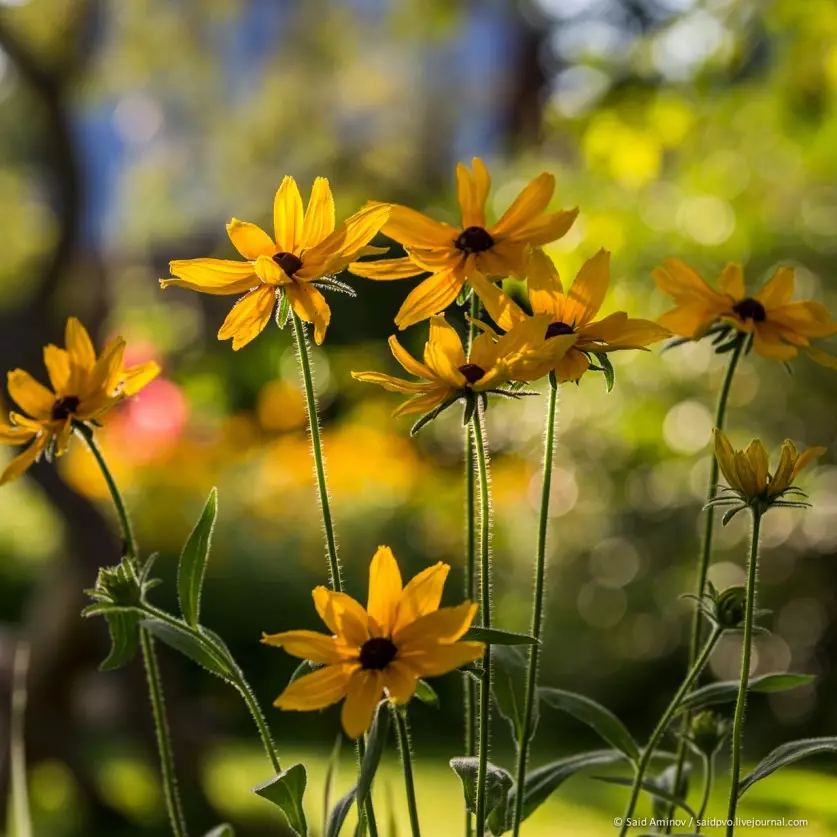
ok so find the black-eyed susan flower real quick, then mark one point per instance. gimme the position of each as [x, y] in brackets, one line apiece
[571, 313]
[84, 388]
[447, 375]
[780, 328]
[303, 255]
[750, 482]
[454, 254]
[383, 649]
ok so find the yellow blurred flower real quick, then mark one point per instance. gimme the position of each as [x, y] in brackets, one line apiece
[448, 375]
[780, 328]
[84, 388]
[454, 254]
[401, 636]
[304, 253]
[570, 313]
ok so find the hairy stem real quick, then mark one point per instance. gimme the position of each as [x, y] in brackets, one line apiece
[403, 729]
[746, 654]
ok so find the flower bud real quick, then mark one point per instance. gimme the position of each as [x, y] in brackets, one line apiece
[118, 585]
[707, 732]
[731, 607]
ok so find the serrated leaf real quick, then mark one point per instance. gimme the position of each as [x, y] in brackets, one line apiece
[784, 755]
[498, 784]
[727, 690]
[124, 639]
[652, 788]
[192, 566]
[375, 745]
[188, 645]
[224, 830]
[339, 813]
[596, 716]
[509, 668]
[427, 694]
[285, 791]
[494, 636]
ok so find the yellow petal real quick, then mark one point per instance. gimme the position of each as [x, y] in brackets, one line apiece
[211, 276]
[33, 398]
[429, 297]
[621, 332]
[501, 308]
[781, 480]
[319, 216]
[805, 459]
[269, 272]
[391, 383]
[12, 434]
[767, 344]
[386, 269]
[57, 362]
[821, 357]
[482, 185]
[443, 352]
[803, 320]
[746, 475]
[415, 229]
[571, 366]
[757, 457]
[421, 595]
[725, 454]
[287, 216]
[530, 203]
[423, 403]
[688, 321]
[400, 682]
[483, 351]
[432, 662]
[308, 645]
[682, 282]
[317, 690]
[250, 240]
[364, 692]
[731, 281]
[353, 234]
[248, 317]
[79, 345]
[138, 377]
[778, 290]
[24, 460]
[544, 228]
[443, 626]
[588, 291]
[310, 305]
[546, 293]
[407, 361]
[107, 373]
[384, 589]
[343, 615]
[471, 198]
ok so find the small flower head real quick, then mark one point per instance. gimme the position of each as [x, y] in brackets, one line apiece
[383, 649]
[570, 314]
[707, 732]
[454, 254]
[447, 375]
[84, 388]
[780, 328]
[750, 482]
[301, 257]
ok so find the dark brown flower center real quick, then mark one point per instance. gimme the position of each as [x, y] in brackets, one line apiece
[376, 654]
[557, 329]
[474, 240]
[64, 407]
[750, 309]
[288, 262]
[472, 372]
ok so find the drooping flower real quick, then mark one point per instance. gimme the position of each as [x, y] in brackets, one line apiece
[301, 257]
[751, 483]
[780, 328]
[84, 388]
[402, 635]
[448, 375]
[570, 313]
[454, 254]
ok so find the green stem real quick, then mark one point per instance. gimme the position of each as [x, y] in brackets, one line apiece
[403, 730]
[155, 686]
[485, 608]
[705, 553]
[662, 725]
[746, 654]
[537, 608]
[708, 781]
[317, 448]
[368, 810]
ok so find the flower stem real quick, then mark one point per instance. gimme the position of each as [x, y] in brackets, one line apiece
[368, 811]
[537, 609]
[485, 609]
[662, 725]
[155, 686]
[705, 553]
[741, 703]
[317, 448]
[708, 781]
[403, 729]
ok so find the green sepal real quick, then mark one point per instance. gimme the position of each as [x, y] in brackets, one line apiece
[285, 791]
[427, 694]
[433, 414]
[606, 367]
[123, 627]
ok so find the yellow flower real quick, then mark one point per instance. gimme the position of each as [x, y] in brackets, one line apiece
[400, 636]
[570, 314]
[83, 389]
[780, 328]
[747, 473]
[454, 254]
[304, 253]
[448, 375]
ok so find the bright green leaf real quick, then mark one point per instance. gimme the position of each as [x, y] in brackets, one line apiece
[192, 566]
[184, 642]
[727, 690]
[286, 791]
[784, 755]
[124, 639]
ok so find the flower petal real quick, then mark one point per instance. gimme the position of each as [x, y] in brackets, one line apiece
[135, 378]
[57, 362]
[308, 645]
[444, 354]
[544, 228]
[805, 459]
[364, 692]
[423, 403]
[287, 216]
[442, 626]
[725, 454]
[421, 595]
[343, 615]
[757, 457]
[79, 345]
[250, 240]
[353, 234]
[731, 281]
[211, 276]
[746, 475]
[821, 357]
[781, 480]
[400, 681]
[530, 203]
[778, 290]
[588, 291]
[310, 305]
[407, 361]
[429, 297]
[501, 307]
[248, 317]
[546, 293]
[319, 216]
[472, 190]
[618, 331]
[432, 662]
[384, 589]
[107, 373]
[393, 384]
[24, 460]
[13, 434]
[317, 690]
[386, 269]
[768, 344]
[33, 398]
[415, 229]
[571, 366]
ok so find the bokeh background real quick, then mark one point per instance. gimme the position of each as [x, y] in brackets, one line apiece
[130, 132]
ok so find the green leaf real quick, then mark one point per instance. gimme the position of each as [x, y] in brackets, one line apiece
[787, 754]
[426, 693]
[541, 783]
[494, 636]
[596, 716]
[651, 787]
[285, 791]
[509, 688]
[124, 639]
[498, 784]
[224, 830]
[339, 813]
[607, 369]
[727, 690]
[283, 313]
[192, 567]
[189, 645]
[375, 745]
[305, 667]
